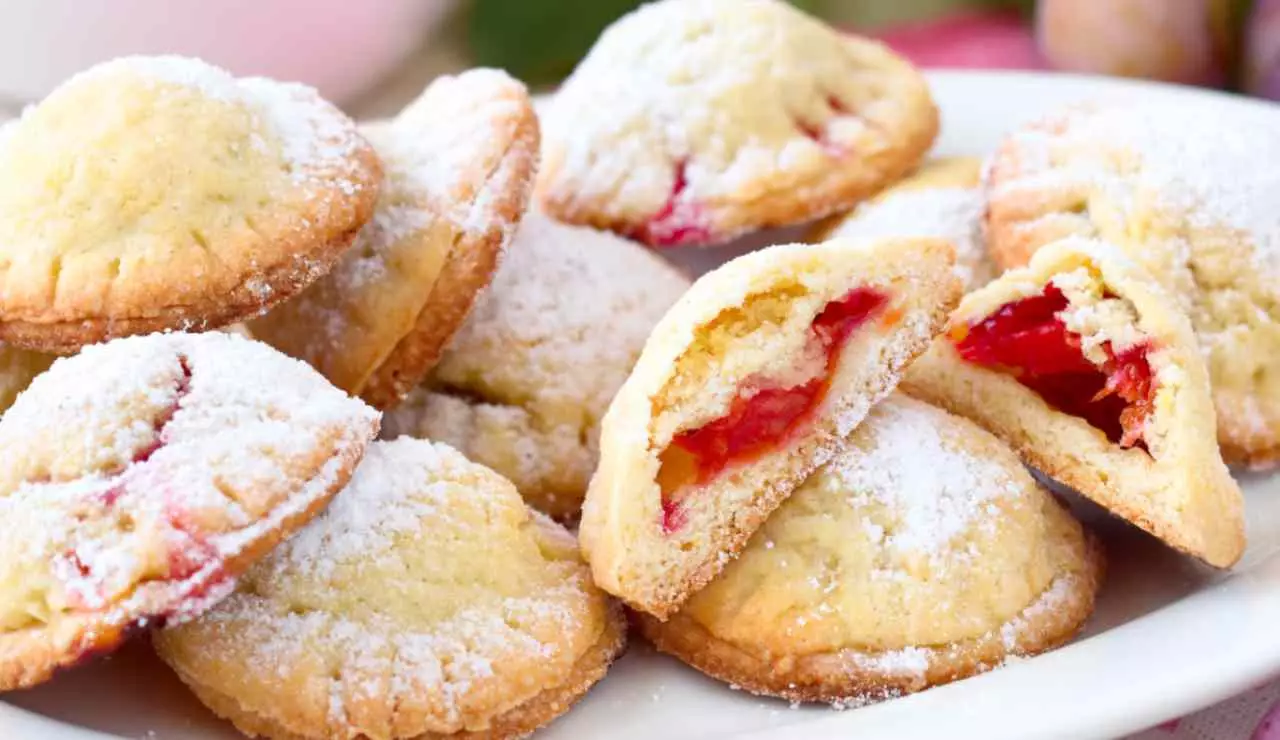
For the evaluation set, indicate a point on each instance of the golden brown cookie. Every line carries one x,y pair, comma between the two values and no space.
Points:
140,477
744,388
1182,191
156,193
693,121
1085,365
428,601
942,199
524,383
459,165
921,554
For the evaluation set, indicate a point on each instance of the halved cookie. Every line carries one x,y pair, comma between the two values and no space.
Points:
942,199
459,165
426,602
922,554
693,121
1085,365
524,383
748,384
156,193
140,477
1182,192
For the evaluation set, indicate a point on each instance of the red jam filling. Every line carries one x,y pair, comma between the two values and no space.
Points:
1028,340
762,416
679,221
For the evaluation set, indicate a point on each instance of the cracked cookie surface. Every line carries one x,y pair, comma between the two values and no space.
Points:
141,476
154,193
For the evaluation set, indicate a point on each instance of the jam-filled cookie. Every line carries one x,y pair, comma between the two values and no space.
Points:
748,384
458,167
693,121
428,601
1085,365
1182,192
161,193
524,383
138,478
922,554
941,199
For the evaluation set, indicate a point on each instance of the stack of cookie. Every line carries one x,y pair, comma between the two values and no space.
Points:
802,473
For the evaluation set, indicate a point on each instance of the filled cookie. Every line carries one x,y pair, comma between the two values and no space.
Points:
458,170
1085,365
941,199
693,121
921,554
524,383
428,601
140,477
156,193
747,385
1181,191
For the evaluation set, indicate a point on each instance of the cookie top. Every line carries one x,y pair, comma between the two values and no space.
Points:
1180,190
138,478
1087,367
941,199
458,170
692,121
923,545
426,599
153,193
749,383
524,383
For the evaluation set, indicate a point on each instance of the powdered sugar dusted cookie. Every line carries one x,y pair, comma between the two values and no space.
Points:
459,165
941,199
427,601
526,380
922,554
693,121
154,193
747,385
138,478
1181,190
1085,365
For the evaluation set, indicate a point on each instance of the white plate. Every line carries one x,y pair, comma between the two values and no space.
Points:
1169,636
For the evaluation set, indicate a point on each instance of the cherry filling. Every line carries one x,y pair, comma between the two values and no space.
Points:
679,221
763,415
1027,339
189,550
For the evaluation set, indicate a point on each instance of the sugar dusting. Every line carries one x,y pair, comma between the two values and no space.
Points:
193,447
935,501
954,214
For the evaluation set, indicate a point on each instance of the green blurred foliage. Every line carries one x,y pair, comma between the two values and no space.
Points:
540,41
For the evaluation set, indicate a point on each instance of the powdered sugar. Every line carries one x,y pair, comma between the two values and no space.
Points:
954,214
934,501
154,459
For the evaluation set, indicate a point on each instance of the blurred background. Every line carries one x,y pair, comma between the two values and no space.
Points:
372,55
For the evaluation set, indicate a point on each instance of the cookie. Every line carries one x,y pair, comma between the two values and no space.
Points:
140,477
157,193
428,601
524,383
921,554
1085,365
694,121
18,368
459,164
1182,192
942,199
744,388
